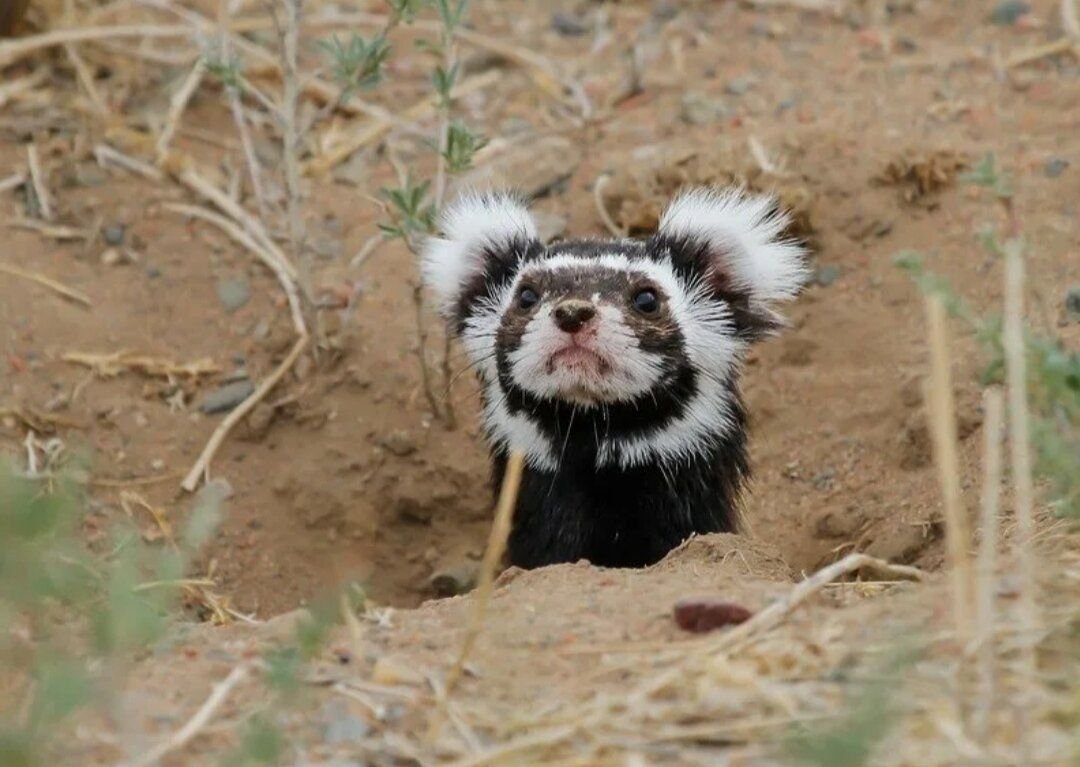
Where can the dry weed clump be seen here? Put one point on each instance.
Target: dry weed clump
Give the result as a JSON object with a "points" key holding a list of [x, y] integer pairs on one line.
{"points": [[921, 175]]}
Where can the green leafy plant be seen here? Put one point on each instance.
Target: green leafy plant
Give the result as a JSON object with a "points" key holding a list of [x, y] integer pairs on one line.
{"points": [[66, 614]]}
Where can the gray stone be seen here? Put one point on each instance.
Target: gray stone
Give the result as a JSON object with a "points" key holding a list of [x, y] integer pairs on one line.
{"points": [[113, 234], [569, 25], [233, 293], [826, 275], [1007, 12], [343, 726], [227, 397], [1055, 166], [739, 85]]}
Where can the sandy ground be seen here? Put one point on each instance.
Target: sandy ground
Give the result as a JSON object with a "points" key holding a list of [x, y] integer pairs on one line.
{"points": [[349, 477]]}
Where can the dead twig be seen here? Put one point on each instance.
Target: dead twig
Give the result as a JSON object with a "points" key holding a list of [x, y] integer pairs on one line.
{"points": [[48, 282], [1012, 338], [289, 44], [196, 723], [496, 547], [241, 237], [86, 79], [601, 208], [941, 412], [775, 613], [54, 231], [177, 106], [993, 407], [14, 181], [13, 50], [37, 182], [115, 363], [107, 155], [196, 183], [279, 264]]}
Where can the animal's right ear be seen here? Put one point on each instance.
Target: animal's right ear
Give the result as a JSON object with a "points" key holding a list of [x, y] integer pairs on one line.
{"points": [[483, 235]]}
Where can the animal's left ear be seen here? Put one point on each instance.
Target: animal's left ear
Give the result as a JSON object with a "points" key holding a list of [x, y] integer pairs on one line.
{"points": [[735, 243]]}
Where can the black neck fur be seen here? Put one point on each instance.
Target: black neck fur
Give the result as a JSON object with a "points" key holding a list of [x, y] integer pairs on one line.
{"points": [[618, 517]]}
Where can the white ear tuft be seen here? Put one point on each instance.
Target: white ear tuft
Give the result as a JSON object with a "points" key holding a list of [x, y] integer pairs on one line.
{"points": [[474, 226], [746, 232]]}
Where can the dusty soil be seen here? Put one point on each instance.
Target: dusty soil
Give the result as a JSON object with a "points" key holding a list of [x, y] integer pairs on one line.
{"points": [[349, 476]]}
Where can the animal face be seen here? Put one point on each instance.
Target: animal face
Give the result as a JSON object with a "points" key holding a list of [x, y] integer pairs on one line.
{"points": [[644, 335]]}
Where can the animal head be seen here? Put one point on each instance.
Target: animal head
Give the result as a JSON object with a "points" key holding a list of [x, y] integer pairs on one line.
{"points": [[645, 335]]}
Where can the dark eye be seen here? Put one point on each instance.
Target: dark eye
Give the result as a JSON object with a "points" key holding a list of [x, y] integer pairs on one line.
{"points": [[646, 302], [528, 298]]}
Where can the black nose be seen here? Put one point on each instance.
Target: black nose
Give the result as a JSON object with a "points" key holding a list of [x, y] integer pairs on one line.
{"points": [[572, 314]]}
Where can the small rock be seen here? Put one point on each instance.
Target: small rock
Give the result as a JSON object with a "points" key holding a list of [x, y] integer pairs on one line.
{"points": [[152, 271], [826, 275], [1072, 302], [785, 104], [113, 234], [227, 397], [399, 442], [342, 726], [1055, 166], [701, 109], [1007, 12], [569, 25], [739, 85], [233, 293], [707, 614]]}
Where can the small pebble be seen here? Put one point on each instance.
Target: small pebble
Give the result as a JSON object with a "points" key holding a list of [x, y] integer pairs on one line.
{"points": [[739, 85], [1007, 13], [826, 275], [568, 25], [233, 293], [113, 234], [152, 271], [1055, 166], [227, 397], [342, 726]]}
